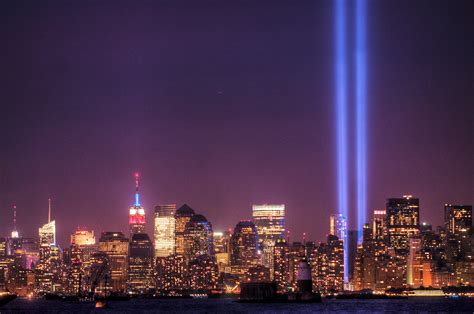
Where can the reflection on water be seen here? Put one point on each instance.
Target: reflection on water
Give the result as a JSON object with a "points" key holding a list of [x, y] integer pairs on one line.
{"points": [[229, 306]]}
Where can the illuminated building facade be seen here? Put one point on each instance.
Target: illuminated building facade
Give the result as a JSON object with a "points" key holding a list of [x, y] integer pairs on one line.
{"points": [[140, 264], [202, 273], [403, 221], [136, 218], [83, 237], [222, 250], [244, 245], [270, 222], [116, 246], [170, 275], [182, 217], [198, 238], [458, 226], [281, 265], [164, 231], [338, 228]]}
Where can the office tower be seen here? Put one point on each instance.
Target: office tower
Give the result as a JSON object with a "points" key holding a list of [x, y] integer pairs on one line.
{"points": [[30, 247], [244, 246], [415, 263], [116, 246], [198, 237], [296, 251], [47, 271], [379, 224], [338, 226], [458, 226], [222, 250], [270, 222], [98, 278], [164, 231], [170, 275], [257, 273], [327, 266], [136, 219], [47, 233], [202, 273], [83, 237], [304, 283], [281, 265], [140, 264], [182, 217], [402, 221], [352, 238], [365, 262]]}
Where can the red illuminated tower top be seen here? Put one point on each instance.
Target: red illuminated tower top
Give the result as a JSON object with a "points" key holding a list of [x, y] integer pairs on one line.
{"points": [[136, 219]]}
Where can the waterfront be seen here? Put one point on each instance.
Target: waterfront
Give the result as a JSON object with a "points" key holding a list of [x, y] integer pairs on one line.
{"points": [[411, 305]]}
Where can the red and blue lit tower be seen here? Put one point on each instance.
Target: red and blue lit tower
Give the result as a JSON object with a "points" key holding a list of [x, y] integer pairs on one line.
{"points": [[136, 217]]}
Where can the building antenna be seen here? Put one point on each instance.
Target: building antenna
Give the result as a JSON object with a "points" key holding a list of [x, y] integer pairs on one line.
{"points": [[14, 217], [49, 210], [137, 184]]}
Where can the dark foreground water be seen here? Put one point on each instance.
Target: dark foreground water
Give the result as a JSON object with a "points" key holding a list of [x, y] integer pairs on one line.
{"points": [[412, 305]]}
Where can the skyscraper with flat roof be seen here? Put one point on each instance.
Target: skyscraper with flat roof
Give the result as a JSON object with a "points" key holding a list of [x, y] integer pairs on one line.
{"points": [[270, 222], [164, 230], [403, 220]]}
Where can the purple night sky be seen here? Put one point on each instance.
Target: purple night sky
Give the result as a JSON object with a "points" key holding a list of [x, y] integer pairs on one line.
{"points": [[222, 105]]}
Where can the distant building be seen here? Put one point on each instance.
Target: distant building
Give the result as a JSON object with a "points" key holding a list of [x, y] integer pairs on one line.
{"points": [[281, 265], [458, 226], [198, 237], [403, 221], [182, 217], [140, 264], [164, 232], [327, 266], [270, 222], [244, 245], [116, 246], [171, 275], [83, 237], [136, 218]]}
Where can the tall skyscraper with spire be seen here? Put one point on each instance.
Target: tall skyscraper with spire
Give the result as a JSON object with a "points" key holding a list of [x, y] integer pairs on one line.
{"points": [[136, 218], [14, 231], [47, 233]]}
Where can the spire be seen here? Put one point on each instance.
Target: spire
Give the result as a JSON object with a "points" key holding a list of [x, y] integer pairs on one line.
{"points": [[14, 217], [14, 232], [49, 210], [137, 195]]}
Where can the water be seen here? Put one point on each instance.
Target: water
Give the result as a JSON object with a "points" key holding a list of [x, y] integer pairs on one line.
{"points": [[412, 305]]}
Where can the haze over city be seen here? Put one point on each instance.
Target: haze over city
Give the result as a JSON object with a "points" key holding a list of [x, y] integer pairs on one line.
{"points": [[222, 106]]}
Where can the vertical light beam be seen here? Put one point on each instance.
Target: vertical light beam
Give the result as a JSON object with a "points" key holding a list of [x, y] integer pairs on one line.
{"points": [[361, 109], [341, 115]]}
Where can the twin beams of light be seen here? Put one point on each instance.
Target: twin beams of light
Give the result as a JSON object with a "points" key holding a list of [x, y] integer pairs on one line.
{"points": [[342, 114], [361, 108]]}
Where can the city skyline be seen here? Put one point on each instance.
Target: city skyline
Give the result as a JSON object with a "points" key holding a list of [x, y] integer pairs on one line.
{"points": [[246, 118]]}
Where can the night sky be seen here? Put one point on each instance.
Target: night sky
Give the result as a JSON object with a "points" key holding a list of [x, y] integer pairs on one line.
{"points": [[222, 105]]}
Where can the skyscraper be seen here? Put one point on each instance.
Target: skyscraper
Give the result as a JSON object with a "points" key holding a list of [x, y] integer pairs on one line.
{"points": [[140, 264], [116, 246], [338, 228], [164, 230], [136, 218], [244, 245], [198, 238], [458, 225], [403, 220], [182, 217], [270, 222]]}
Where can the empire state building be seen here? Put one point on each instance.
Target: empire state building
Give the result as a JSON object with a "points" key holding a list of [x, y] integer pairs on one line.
{"points": [[136, 217]]}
